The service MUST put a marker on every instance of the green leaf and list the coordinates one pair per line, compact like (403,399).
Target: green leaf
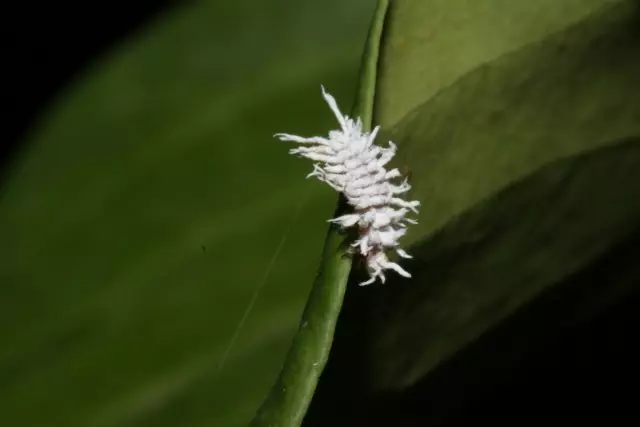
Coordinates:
(157,243)
(520,123)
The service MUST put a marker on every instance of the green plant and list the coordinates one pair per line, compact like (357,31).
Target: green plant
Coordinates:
(158,245)
(520,124)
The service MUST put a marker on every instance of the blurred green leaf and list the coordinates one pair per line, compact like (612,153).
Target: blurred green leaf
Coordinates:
(520,123)
(152,207)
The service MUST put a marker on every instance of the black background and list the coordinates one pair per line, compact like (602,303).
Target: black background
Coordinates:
(47,44)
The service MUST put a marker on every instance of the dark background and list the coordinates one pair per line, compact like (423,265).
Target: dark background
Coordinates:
(46,45)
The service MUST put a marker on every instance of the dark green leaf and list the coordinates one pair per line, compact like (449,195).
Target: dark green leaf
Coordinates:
(111,314)
(510,116)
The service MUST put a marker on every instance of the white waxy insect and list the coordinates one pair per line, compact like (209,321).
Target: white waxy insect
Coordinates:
(352,164)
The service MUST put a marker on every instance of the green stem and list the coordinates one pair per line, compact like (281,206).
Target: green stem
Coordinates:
(364,102)
(290,397)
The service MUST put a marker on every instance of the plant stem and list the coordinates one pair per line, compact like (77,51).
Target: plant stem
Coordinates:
(290,397)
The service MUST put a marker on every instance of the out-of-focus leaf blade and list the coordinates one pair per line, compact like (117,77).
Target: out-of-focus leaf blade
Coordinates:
(151,204)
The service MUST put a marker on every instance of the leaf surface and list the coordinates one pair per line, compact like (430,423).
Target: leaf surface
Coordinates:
(157,243)
(519,122)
